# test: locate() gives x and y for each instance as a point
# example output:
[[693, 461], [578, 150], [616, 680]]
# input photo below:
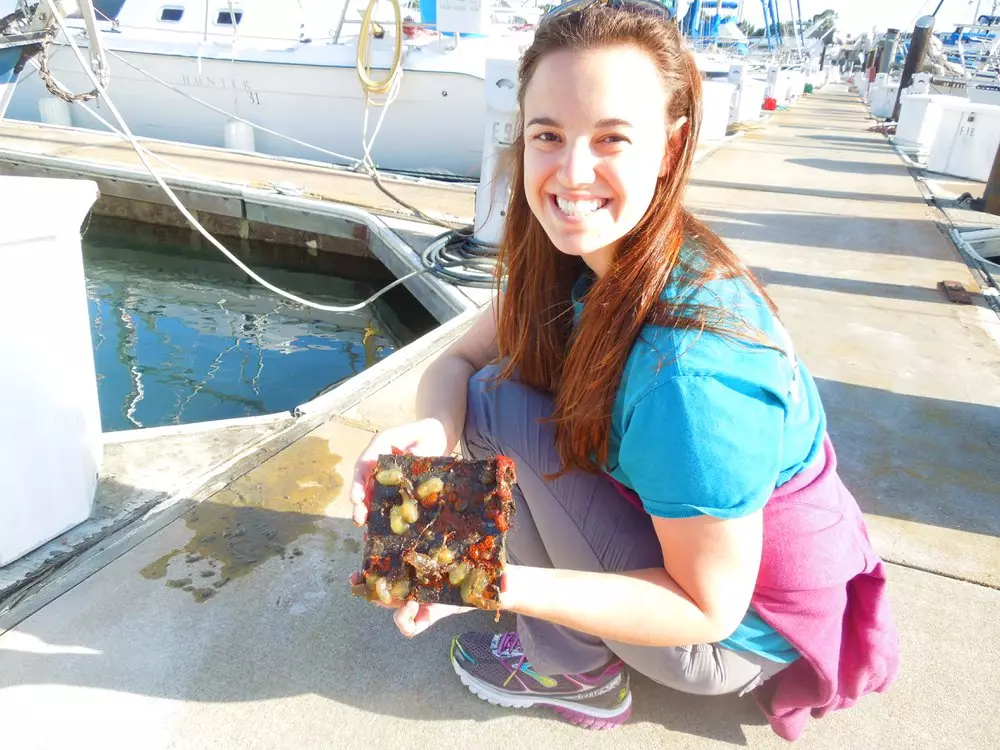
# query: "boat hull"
[[435, 124]]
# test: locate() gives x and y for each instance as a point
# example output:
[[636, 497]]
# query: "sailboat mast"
[[765, 4], [696, 19], [791, 12]]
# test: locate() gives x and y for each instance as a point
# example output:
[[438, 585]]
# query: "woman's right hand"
[[425, 437]]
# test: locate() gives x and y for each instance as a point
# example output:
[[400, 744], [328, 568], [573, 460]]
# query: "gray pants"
[[581, 522]]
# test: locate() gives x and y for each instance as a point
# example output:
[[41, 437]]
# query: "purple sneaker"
[[493, 666]]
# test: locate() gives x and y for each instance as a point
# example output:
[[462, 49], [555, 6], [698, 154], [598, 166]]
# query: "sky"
[[857, 16]]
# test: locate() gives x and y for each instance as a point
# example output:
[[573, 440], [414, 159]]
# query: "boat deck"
[[282, 656]]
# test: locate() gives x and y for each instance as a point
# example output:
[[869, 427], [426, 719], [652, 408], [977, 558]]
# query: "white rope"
[[60, 21], [367, 163]]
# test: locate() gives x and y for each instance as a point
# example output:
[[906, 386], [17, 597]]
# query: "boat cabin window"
[[171, 13], [229, 19]]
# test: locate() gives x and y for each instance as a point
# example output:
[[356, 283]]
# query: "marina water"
[[180, 339]]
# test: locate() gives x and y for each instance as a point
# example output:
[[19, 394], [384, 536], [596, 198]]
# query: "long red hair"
[[583, 371]]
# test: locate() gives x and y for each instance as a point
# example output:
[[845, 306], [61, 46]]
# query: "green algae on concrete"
[[352, 546], [258, 517]]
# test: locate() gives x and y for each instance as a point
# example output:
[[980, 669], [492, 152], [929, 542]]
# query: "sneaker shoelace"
[[507, 647]]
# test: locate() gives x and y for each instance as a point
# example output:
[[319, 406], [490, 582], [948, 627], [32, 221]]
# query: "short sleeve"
[[701, 445]]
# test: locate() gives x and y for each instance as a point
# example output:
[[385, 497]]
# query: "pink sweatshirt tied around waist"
[[822, 587]]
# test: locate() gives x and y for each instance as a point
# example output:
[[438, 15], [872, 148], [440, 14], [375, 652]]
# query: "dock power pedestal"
[[501, 118]]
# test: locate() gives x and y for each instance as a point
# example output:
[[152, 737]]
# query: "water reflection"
[[181, 340]]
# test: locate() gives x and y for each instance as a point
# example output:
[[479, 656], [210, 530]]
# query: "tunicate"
[[459, 572], [429, 487], [391, 477], [443, 555], [473, 586], [396, 522], [381, 589], [401, 588], [409, 511]]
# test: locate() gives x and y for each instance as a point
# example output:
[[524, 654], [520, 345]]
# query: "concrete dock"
[[232, 626]]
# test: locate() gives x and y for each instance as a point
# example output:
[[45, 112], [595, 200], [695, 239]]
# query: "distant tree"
[[788, 28], [829, 20]]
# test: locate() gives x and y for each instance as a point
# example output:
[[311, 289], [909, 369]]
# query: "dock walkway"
[[281, 656]]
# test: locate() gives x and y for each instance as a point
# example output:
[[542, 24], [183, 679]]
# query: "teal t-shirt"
[[704, 424]]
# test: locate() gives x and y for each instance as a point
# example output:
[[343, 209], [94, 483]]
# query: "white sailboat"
[[291, 66]]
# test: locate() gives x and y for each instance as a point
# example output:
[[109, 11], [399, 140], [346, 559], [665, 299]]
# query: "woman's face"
[[595, 143]]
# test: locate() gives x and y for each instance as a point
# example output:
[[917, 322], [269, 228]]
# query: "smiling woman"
[[589, 177], [678, 509]]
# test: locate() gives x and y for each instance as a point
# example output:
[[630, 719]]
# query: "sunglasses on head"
[[646, 7]]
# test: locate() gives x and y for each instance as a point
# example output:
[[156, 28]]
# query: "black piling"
[[922, 32]]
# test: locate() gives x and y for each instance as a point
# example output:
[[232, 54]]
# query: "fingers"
[[426, 617], [413, 618], [360, 487], [363, 470], [406, 619], [359, 512]]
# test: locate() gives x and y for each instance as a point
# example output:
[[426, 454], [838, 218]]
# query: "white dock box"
[[796, 84], [717, 104], [779, 84], [501, 119], [882, 97], [966, 141], [50, 442], [749, 97], [919, 117]]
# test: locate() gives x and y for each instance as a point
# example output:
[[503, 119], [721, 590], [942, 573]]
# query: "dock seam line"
[[940, 574]]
